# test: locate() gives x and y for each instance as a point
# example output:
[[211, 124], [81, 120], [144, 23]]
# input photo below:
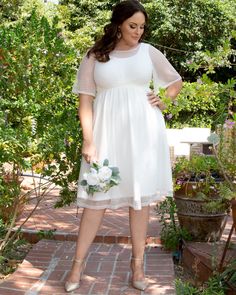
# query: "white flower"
[[98, 179], [93, 171], [104, 173], [85, 176], [92, 179]]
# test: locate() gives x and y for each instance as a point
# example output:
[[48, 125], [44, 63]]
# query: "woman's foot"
[[138, 279], [73, 281]]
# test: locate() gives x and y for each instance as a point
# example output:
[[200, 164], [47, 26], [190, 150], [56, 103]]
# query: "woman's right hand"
[[89, 152]]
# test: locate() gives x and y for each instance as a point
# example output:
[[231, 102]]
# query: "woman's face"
[[132, 29]]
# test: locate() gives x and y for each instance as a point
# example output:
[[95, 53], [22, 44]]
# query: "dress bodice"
[[122, 70], [126, 67]]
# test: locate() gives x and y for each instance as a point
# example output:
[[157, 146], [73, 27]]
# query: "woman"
[[122, 121]]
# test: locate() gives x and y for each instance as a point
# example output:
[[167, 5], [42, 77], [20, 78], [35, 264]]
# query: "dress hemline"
[[82, 203]]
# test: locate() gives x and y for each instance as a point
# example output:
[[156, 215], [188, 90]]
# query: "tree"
[[191, 28]]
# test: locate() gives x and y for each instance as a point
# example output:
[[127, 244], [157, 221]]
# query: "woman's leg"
[[90, 222], [138, 228]]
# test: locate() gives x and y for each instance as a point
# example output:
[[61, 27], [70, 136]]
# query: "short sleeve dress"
[[127, 129]]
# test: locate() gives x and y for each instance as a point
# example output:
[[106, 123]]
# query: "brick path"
[[107, 272], [45, 268], [114, 229]]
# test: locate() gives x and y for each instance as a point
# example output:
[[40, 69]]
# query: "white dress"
[[127, 130]]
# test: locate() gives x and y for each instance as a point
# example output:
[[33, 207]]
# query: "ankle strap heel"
[[140, 285], [80, 261], [136, 259], [71, 286]]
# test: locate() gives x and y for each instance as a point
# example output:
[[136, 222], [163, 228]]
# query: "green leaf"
[[83, 182], [115, 171], [106, 162], [95, 165]]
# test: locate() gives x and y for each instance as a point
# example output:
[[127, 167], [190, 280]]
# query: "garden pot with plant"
[[202, 206]]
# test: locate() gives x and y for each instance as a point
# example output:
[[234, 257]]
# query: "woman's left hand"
[[156, 101]]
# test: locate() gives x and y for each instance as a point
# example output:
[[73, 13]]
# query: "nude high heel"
[[140, 285], [70, 286]]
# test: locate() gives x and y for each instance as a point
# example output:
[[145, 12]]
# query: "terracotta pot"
[[203, 226]]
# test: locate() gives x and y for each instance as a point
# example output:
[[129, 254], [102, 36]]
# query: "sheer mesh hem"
[[82, 92], [172, 82], [122, 202]]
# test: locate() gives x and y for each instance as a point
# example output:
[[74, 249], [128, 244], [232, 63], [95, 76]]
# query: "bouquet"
[[100, 178]]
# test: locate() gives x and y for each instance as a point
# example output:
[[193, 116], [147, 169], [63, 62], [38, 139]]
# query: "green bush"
[[203, 103], [38, 120], [213, 286], [191, 28]]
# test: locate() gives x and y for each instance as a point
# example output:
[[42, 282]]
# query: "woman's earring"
[[118, 35]]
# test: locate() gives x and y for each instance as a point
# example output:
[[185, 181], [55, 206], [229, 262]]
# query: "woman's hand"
[[156, 101], [89, 152]]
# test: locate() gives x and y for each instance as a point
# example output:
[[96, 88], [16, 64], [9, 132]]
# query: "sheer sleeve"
[[164, 73], [84, 82]]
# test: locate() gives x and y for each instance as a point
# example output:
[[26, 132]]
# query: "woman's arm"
[[174, 89], [171, 91], [86, 120]]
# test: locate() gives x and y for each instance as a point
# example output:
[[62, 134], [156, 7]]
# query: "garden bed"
[[13, 257], [203, 258]]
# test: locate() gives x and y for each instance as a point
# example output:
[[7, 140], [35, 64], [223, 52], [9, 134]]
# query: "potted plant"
[[202, 206], [172, 235]]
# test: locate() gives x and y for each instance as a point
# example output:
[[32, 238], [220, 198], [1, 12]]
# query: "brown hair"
[[108, 41]]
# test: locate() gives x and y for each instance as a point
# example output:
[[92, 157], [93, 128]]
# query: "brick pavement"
[[45, 268], [107, 272], [64, 222]]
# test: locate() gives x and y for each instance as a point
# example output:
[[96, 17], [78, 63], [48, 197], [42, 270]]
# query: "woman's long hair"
[[108, 41]]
